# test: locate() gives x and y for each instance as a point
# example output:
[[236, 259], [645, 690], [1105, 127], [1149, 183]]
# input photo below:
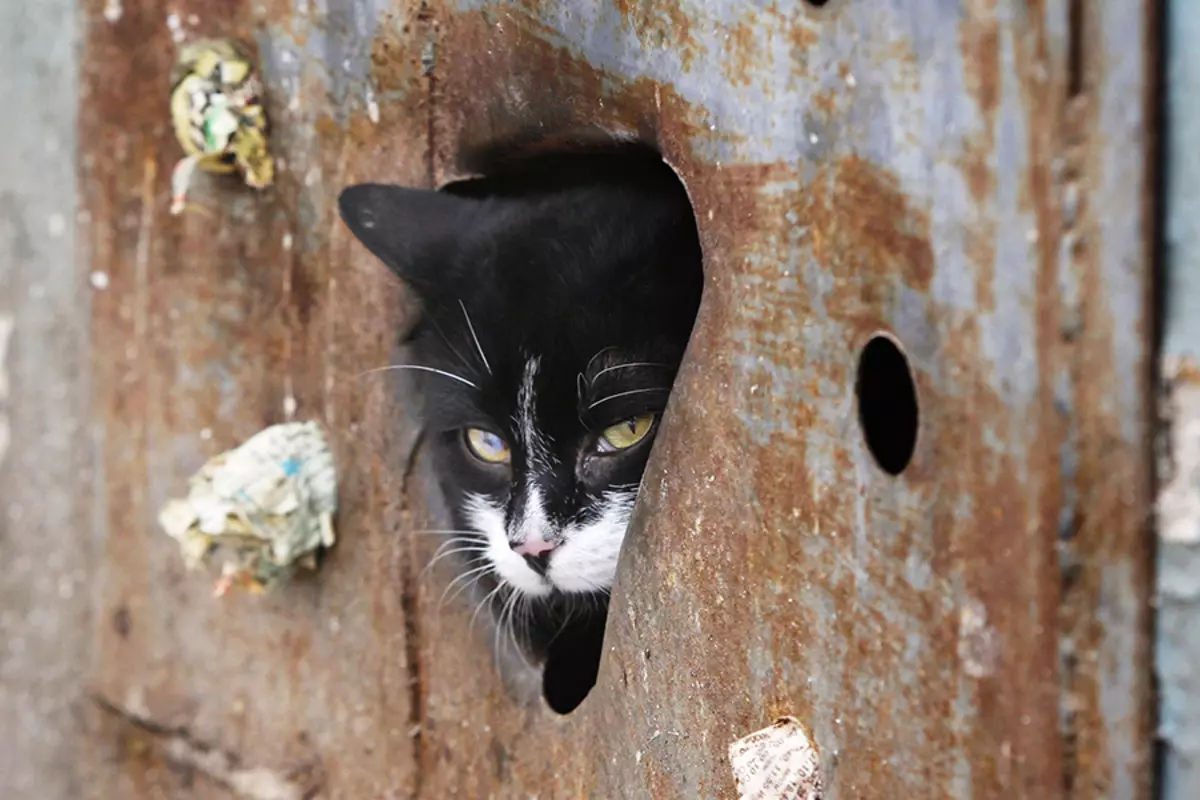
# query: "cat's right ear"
[[409, 230]]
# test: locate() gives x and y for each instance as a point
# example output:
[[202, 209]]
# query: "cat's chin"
[[527, 584], [551, 593], [564, 669], [556, 597]]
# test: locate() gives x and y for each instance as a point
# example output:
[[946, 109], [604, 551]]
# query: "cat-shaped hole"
[[558, 294]]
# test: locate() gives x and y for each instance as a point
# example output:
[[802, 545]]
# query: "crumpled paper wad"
[[218, 117], [777, 763], [266, 507]]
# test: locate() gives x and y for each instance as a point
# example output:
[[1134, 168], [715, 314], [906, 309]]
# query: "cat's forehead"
[[502, 331]]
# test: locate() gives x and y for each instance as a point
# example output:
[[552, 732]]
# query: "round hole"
[[887, 404]]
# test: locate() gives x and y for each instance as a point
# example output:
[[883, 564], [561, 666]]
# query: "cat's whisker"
[[485, 601], [469, 547], [627, 394], [517, 611], [438, 553], [452, 542], [565, 622], [425, 531], [498, 623], [471, 328], [442, 335], [501, 624], [521, 611], [438, 556], [464, 581], [628, 365], [420, 368]]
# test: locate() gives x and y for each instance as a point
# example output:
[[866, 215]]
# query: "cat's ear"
[[412, 231]]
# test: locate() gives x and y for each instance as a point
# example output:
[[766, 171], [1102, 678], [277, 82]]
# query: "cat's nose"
[[536, 552]]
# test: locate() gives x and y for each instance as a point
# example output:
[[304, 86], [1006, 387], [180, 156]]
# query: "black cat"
[[558, 294]]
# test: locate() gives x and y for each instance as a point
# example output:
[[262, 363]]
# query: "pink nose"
[[534, 547]]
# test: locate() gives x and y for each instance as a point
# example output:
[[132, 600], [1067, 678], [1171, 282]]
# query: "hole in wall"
[[887, 403], [816, 3], [609, 301], [573, 658]]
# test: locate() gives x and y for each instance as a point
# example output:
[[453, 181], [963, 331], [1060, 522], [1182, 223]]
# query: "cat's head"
[[557, 300]]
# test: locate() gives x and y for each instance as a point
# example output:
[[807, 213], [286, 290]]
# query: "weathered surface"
[[1177, 655], [976, 627], [45, 489], [952, 177], [214, 326]]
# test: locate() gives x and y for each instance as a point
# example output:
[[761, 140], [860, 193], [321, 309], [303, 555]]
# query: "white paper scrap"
[[777, 763]]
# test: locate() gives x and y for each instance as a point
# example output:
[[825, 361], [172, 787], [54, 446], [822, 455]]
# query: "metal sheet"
[[215, 325], [976, 627]]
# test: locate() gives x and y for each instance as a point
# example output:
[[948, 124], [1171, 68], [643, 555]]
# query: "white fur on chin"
[[585, 562], [587, 559]]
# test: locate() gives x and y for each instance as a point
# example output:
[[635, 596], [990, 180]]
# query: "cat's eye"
[[625, 434], [487, 446]]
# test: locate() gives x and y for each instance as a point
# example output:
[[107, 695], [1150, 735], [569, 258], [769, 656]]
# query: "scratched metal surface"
[[213, 325], [943, 170]]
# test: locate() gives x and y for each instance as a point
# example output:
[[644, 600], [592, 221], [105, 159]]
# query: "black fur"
[[585, 260]]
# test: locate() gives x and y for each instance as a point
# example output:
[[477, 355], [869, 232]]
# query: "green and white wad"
[[262, 508], [217, 114]]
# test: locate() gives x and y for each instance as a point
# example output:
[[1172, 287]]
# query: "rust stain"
[[327, 127], [861, 223], [1041, 85], [981, 178], [396, 65], [1112, 485], [979, 41], [660, 25], [802, 36], [523, 111], [743, 49], [740, 52], [826, 101]]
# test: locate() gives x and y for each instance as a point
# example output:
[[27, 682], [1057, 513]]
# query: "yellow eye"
[[487, 446], [625, 434]]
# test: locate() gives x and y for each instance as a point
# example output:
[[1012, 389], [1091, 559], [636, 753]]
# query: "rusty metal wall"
[[971, 176]]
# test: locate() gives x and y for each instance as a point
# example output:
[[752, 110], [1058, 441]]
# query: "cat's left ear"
[[412, 231]]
